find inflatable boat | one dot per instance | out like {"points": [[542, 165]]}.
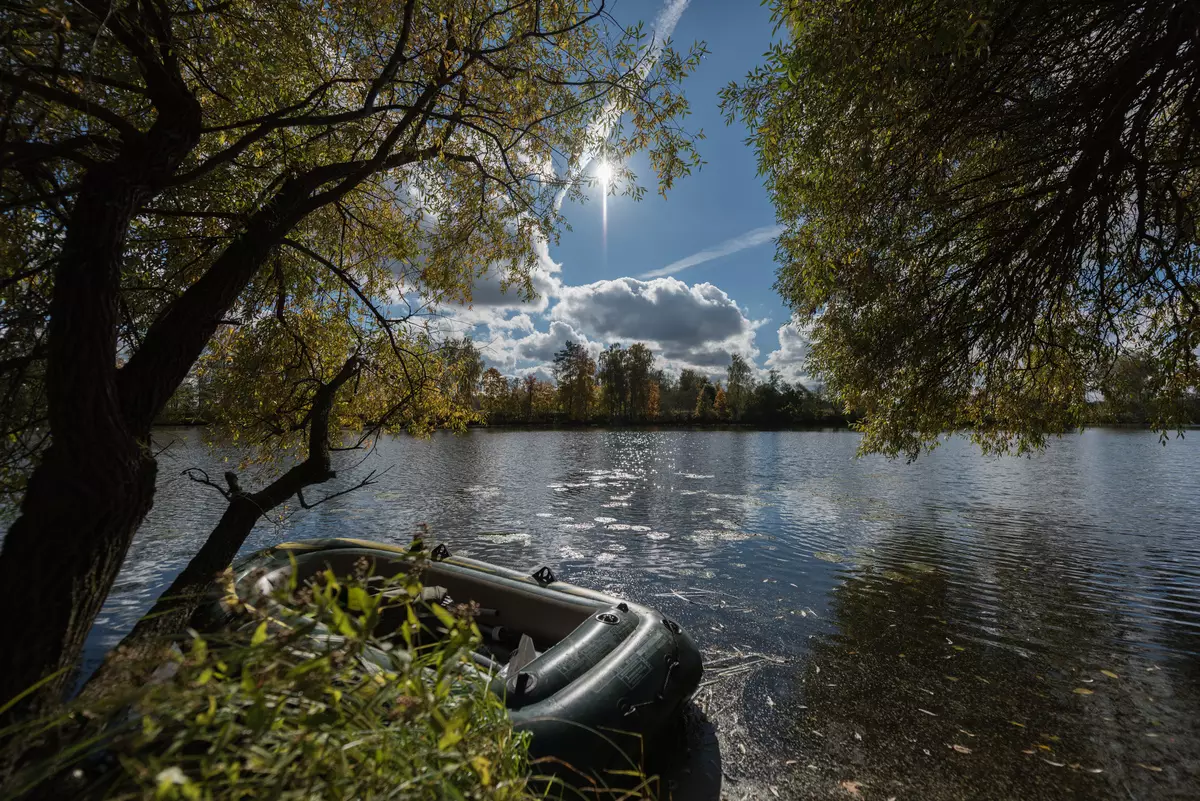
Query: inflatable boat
{"points": [[591, 677]]}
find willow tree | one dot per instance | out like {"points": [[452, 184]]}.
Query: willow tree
{"points": [[986, 205], [280, 183]]}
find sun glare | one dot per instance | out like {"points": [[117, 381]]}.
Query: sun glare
{"points": [[604, 172]]}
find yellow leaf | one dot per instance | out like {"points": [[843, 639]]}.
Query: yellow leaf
{"points": [[260, 634], [484, 768], [1110, 674], [1082, 691]]}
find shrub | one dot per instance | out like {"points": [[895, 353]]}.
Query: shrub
{"points": [[303, 700]]}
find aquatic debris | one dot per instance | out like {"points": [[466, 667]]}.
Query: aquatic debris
{"points": [[852, 787], [1110, 674], [927, 712], [506, 536], [1083, 691], [962, 749], [1154, 768]]}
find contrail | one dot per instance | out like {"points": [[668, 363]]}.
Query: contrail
{"points": [[747, 240], [661, 30]]}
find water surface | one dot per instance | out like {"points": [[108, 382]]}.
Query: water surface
{"points": [[961, 627]]}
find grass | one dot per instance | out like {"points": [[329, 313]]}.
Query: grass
{"points": [[301, 701]]}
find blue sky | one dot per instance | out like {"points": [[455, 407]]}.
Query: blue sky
{"points": [[692, 273]]}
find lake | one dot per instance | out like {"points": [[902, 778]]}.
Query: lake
{"points": [[959, 627]]}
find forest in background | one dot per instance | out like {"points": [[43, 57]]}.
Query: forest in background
{"points": [[623, 387]]}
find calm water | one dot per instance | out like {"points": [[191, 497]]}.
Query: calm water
{"points": [[961, 627]]}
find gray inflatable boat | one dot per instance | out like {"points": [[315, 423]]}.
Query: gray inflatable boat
{"points": [[593, 678]]}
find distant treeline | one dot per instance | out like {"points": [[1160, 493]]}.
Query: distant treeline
{"points": [[622, 387]]}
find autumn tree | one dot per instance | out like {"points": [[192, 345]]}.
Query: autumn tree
{"points": [[494, 396], [613, 374], [720, 404], [466, 363], [575, 374], [653, 401], [278, 190], [639, 367], [706, 396], [987, 206], [739, 378]]}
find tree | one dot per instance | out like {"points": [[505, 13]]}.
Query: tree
{"points": [[172, 174], [614, 381], [575, 372], [639, 367], [986, 206], [705, 398], [653, 401], [740, 380], [720, 404], [466, 365], [494, 396]]}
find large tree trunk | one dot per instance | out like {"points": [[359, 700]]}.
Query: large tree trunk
{"points": [[95, 483]]}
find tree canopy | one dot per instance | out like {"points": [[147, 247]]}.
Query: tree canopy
{"points": [[987, 205], [280, 190]]}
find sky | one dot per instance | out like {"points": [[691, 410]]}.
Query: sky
{"points": [[690, 274]]}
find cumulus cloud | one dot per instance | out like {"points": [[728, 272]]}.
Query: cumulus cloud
{"points": [[533, 352], [697, 326], [749, 239], [791, 357]]}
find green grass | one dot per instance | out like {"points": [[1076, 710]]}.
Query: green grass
{"points": [[302, 701]]}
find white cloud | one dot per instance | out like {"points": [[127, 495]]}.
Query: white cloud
{"points": [[696, 326], [532, 352], [791, 357], [747, 240]]}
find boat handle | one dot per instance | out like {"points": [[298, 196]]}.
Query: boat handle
{"points": [[440, 552], [544, 575], [628, 708]]}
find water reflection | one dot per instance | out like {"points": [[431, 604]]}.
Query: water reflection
{"points": [[982, 591]]}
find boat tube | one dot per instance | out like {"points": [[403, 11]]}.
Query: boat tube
{"points": [[593, 678]]}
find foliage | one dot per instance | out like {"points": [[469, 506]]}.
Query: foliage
{"points": [[987, 205], [435, 144], [624, 388], [306, 701], [512, 400], [575, 373], [282, 191], [1129, 396], [740, 381]]}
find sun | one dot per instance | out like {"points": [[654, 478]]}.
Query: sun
{"points": [[604, 172]]}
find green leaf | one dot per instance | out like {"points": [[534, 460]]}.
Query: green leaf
{"points": [[260, 634]]}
